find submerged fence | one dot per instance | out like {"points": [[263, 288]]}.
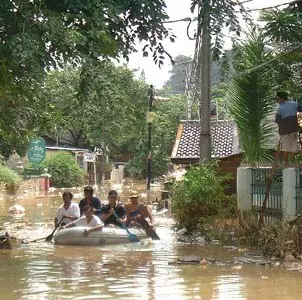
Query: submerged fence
{"points": [[260, 179], [285, 197]]}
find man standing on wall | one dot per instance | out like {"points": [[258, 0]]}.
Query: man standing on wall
{"points": [[287, 120]]}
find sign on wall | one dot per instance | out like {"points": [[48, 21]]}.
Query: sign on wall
{"points": [[89, 157]]}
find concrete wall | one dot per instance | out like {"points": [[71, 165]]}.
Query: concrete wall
{"points": [[117, 174], [30, 185], [289, 193]]}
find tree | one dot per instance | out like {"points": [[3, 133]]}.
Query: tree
{"points": [[250, 96], [38, 35], [110, 104], [180, 73], [167, 116], [111, 113], [284, 30]]}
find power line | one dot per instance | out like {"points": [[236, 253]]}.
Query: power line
{"points": [[258, 66], [187, 19], [270, 7]]}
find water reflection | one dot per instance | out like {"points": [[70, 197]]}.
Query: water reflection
{"points": [[133, 271], [230, 286]]}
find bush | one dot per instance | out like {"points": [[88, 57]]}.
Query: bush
{"points": [[64, 170], [10, 178], [199, 194], [33, 170]]}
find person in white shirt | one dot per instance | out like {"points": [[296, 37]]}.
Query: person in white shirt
{"points": [[69, 210], [89, 220]]}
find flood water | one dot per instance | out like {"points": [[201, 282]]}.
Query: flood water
{"points": [[43, 271]]}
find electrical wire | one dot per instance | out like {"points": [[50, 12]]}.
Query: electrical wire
{"points": [[270, 7], [187, 19]]}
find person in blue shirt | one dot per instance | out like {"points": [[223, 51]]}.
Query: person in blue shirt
{"points": [[287, 120], [112, 208], [90, 200]]}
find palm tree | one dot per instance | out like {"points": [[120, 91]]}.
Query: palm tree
{"points": [[250, 98], [251, 104]]}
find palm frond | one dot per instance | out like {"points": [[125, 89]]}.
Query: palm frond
{"points": [[251, 101]]}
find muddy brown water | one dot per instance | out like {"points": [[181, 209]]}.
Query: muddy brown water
{"points": [[44, 271]]}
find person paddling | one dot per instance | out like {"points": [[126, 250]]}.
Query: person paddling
{"points": [[88, 220], [69, 210], [136, 211], [113, 209], [90, 200]]}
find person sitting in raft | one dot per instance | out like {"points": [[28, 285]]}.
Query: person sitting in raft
{"points": [[136, 211], [108, 210], [88, 220], [69, 210], [90, 200]]}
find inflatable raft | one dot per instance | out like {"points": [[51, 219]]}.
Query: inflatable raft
{"points": [[108, 235]]}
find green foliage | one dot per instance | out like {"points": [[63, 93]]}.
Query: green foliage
{"points": [[283, 26], [111, 113], [199, 195], [64, 171], [250, 97], [167, 116], [179, 74], [219, 96], [223, 14], [284, 29], [33, 170], [109, 102], [10, 178], [40, 35]]}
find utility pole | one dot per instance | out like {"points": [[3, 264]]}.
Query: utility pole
{"points": [[149, 121], [188, 94], [205, 70]]}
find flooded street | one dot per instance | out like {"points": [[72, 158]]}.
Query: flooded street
{"points": [[44, 271]]}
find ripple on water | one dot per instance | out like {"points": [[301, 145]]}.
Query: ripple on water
{"points": [[133, 271]]}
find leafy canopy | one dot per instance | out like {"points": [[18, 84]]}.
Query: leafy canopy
{"points": [[284, 30], [38, 35], [251, 100]]}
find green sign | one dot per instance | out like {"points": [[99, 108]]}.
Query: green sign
{"points": [[36, 151]]}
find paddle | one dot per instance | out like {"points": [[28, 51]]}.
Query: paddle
{"points": [[148, 229], [132, 237], [49, 238]]}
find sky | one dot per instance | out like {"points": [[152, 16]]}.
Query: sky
{"points": [[179, 9]]}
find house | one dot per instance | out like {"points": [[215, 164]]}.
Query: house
{"points": [[225, 147]]}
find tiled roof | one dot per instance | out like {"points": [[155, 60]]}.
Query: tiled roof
{"points": [[186, 147]]}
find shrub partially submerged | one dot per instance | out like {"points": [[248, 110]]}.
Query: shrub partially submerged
{"points": [[64, 170], [62, 167], [200, 194], [10, 178]]}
